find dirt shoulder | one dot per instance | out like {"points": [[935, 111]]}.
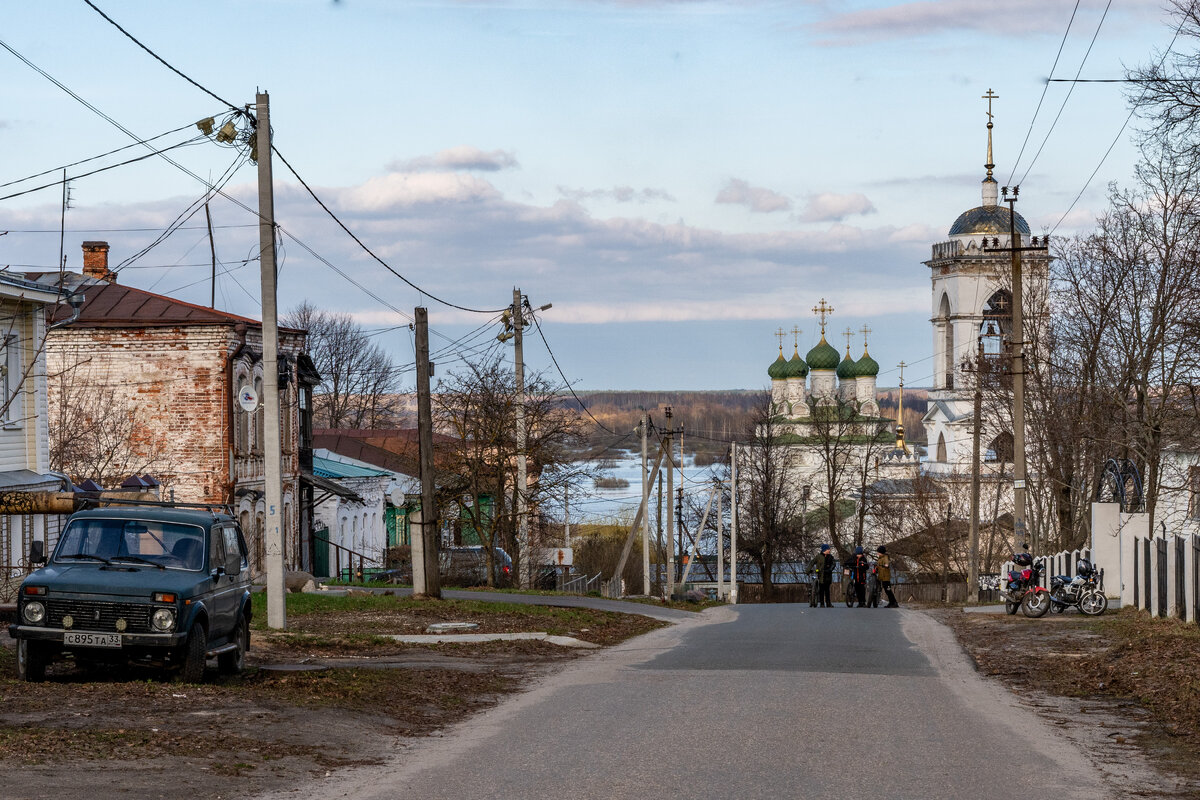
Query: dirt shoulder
{"points": [[1125, 685], [330, 692]]}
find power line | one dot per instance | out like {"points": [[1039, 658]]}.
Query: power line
{"points": [[566, 382], [1044, 90], [159, 58]]}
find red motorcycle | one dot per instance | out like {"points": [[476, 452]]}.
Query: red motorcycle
{"points": [[1022, 590]]}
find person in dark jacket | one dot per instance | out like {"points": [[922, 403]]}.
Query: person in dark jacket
{"points": [[821, 568], [883, 573], [859, 567]]}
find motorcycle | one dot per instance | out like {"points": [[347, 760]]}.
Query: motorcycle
{"points": [[1085, 591], [1022, 590]]}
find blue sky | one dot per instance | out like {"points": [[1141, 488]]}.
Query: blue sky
{"points": [[678, 178]]}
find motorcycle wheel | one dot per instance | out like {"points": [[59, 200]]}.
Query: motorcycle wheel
{"points": [[1093, 604], [1036, 603], [1057, 607], [1010, 607]]}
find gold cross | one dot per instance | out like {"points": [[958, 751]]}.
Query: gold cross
{"points": [[822, 310], [848, 333], [902, 366], [780, 333], [990, 96], [866, 331], [796, 338]]}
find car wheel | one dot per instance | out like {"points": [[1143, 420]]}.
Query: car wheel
{"points": [[31, 661], [234, 661], [195, 653]]}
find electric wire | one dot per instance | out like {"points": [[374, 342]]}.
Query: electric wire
{"points": [[1070, 91], [566, 382], [1045, 88]]}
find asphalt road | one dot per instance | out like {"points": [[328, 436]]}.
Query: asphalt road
{"points": [[759, 701]]}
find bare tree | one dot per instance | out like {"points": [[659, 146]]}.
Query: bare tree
{"points": [[835, 433], [477, 406], [358, 380]]}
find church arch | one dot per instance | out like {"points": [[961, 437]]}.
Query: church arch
{"points": [[1000, 449], [996, 326], [947, 342], [941, 448]]}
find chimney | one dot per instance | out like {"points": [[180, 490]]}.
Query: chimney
{"points": [[95, 262]]}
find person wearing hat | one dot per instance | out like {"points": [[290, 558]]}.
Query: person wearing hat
{"points": [[859, 567], [883, 574], [822, 572]]}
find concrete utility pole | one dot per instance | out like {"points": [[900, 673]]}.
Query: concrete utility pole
{"points": [[426, 581], [733, 524], [645, 426], [526, 555], [973, 566], [670, 445], [658, 529], [720, 543], [272, 456]]}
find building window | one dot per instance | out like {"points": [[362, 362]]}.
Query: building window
{"points": [[941, 448], [10, 368], [259, 417], [947, 343]]}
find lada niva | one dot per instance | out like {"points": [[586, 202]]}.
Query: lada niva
{"points": [[165, 586]]}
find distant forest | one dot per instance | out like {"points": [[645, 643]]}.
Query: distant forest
{"points": [[709, 419]]}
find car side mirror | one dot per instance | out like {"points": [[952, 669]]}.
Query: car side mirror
{"points": [[233, 564], [37, 552]]}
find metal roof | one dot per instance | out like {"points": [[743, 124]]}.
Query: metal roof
{"points": [[328, 468]]}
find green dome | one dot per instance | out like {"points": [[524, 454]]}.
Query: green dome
{"points": [[823, 356], [777, 368], [846, 369], [796, 368], [867, 367]]}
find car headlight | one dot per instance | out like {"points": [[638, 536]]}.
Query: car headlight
{"points": [[33, 612], [163, 619]]}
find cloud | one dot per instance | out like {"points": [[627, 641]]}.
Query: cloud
{"points": [[739, 192], [829, 207], [620, 194], [463, 157], [400, 190], [926, 17]]}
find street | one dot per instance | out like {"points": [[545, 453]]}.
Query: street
{"points": [[749, 701]]}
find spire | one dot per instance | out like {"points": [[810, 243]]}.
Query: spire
{"points": [[900, 445], [989, 183]]}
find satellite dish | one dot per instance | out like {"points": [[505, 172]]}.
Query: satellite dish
{"points": [[397, 497], [248, 398]]}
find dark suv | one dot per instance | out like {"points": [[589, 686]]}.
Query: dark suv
{"points": [[164, 586]]}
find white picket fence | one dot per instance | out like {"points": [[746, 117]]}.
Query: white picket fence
{"points": [[1162, 575]]}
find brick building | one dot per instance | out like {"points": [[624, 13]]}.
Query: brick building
{"points": [[178, 369]]}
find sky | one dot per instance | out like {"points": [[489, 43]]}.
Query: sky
{"points": [[678, 178]]}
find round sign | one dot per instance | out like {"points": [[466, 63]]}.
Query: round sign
{"points": [[248, 398]]}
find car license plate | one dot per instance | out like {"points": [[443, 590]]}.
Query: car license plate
{"points": [[80, 639]]}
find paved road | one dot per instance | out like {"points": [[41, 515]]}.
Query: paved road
{"points": [[770, 701], [560, 600]]}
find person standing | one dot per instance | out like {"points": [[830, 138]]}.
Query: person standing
{"points": [[883, 573], [858, 573], [822, 571]]}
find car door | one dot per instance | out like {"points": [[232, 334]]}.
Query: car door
{"points": [[222, 603]]}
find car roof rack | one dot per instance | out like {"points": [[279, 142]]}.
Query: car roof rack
{"points": [[96, 502]]}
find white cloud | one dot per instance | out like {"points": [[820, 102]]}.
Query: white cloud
{"points": [[398, 190], [738, 192], [619, 194], [463, 157], [830, 207]]}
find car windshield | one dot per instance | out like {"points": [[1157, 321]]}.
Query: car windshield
{"points": [[162, 544]]}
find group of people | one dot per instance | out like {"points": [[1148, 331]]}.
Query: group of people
{"points": [[857, 571]]}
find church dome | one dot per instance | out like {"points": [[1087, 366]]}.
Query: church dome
{"points": [[796, 368], [846, 369], [866, 367], [989, 220], [777, 368], [823, 356]]}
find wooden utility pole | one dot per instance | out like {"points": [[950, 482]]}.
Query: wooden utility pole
{"points": [[425, 545], [523, 546], [272, 455], [658, 529], [973, 566], [645, 517], [733, 524], [670, 446]]}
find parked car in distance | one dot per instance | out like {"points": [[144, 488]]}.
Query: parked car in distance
{"points": [[168, 587], [467, 566]]}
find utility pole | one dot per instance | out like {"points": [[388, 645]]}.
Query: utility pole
{"points": [[645, 517], [679, 565], [518, 319], [658, 521], [733, 524], [426, 581], [973, 565], [272, 456], [670, 445], [1018, 365], [720, 542], [567, 515]]}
